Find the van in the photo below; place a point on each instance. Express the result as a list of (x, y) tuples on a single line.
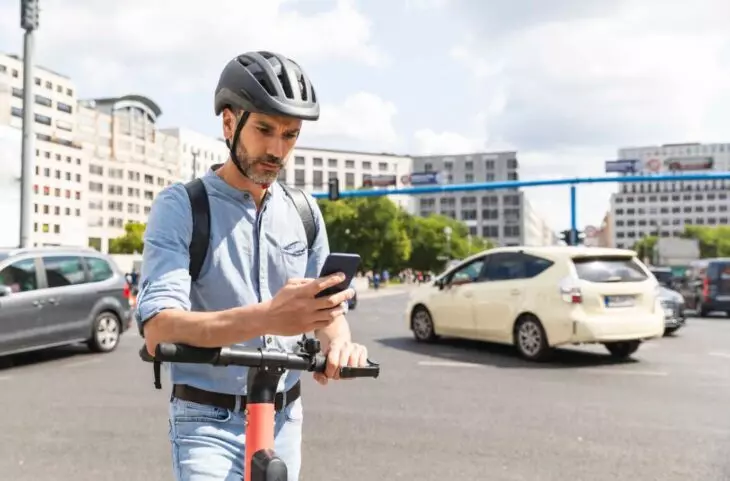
[(54, 296)]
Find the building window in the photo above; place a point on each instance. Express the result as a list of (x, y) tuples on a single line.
[(42, 119)]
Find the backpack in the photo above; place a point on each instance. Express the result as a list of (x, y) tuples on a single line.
[(200, 238)]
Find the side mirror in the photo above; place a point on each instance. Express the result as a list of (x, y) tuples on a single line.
[(5, 291), (440, 284)]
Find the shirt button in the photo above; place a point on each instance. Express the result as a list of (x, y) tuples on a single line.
[(246, 196)]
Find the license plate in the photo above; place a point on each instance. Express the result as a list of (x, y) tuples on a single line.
[(619, 301)]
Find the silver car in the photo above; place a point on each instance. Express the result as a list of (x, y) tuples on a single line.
[(52, 296), (671, 300)]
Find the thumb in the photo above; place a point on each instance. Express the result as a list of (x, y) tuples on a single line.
[(321, 378)]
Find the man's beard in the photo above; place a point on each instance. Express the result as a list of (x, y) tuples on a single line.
[(265, 177)]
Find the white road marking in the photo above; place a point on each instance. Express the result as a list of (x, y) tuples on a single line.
[(5, 378), (82, 363), (448, 364), (719, 354), (626, 372)]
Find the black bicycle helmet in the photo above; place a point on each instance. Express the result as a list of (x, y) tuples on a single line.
[(268, 83)]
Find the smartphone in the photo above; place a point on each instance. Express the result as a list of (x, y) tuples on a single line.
[(339, 262)]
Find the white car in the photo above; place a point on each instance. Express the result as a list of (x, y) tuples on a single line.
[(537, 298)]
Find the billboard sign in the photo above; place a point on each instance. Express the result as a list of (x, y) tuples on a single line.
[(422, 178), (624, 166), (369, 180), (682, 164)]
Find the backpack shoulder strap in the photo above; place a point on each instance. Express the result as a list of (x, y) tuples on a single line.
[(306, 212), (201, 226)]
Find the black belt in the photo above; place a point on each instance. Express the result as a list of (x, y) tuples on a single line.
[(228, 401)]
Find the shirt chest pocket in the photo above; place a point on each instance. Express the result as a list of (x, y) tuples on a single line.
[(294, 257)]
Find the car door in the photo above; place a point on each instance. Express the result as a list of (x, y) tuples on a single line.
[(20, 306), (68, 299), (453, 304), (501, 296)]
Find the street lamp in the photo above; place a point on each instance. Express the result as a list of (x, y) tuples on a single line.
[(29, 23)]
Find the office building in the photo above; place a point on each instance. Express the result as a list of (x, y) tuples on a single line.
[(60, 177), (196, 152), (311, 169), (130, 162), (665, 208), (504, 216)]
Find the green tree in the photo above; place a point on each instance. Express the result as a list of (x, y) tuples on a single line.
[(374, 227), (645, 247), (131, 242), (432, 247), (714, 241)]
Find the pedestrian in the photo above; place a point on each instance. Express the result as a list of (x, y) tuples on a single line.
[(257, 283)]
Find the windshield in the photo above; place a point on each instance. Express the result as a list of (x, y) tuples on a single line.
[(664, 277), (609, 269)]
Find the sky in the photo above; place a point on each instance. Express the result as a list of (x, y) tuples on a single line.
[(565, 83)]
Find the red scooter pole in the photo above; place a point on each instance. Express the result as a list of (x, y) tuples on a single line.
[(259, 434)]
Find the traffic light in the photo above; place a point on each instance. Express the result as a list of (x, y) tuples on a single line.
[(334, 189), (29, 14), (567, 237)]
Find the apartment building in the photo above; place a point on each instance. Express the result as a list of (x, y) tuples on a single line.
[(504, 216), (129, 162), (665, 208), (196, 152), (59, 201), (311, 169)]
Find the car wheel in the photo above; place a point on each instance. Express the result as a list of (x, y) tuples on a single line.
[(106, 332), (668, 331), (530, 339), (622, 350), (422, 325)]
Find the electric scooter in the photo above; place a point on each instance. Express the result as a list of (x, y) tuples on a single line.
[(265, 369)]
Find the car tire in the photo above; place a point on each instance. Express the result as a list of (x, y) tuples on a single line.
[(530, 339), (422, 325), (668, 331), (106, 332), (622, 349)]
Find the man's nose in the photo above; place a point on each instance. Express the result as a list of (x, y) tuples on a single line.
[(277, 148)]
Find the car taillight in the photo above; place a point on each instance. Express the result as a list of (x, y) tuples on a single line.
[(705, 288), (570, 292), (127, 291)]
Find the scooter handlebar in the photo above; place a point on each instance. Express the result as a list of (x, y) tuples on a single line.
[(251, 357)]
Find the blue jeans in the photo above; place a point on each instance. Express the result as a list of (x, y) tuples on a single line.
[(208, 442)]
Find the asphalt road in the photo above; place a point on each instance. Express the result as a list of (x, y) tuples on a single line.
[(455, 410)]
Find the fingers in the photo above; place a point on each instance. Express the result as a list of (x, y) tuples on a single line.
[(321, 378), (324, 282), (336, 299), (342, 355)]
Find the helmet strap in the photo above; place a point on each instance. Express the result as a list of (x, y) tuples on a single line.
[(233, 143)]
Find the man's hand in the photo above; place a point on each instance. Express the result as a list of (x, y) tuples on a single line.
[(342, 353), (294, 309)]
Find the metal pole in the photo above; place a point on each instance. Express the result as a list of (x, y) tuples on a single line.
[(195, 154), (28, 146), (573, 217)]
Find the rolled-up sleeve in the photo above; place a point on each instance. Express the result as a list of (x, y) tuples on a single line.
[(165, 280)]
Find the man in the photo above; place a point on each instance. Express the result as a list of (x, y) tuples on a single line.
[(256, 286)]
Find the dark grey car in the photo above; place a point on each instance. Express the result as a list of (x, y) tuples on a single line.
[(52, 296)]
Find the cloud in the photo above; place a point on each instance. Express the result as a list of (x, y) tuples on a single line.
[(362, 119), (115, 45), (570, 84)]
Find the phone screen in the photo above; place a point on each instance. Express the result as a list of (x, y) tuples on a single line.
[(339, 262)]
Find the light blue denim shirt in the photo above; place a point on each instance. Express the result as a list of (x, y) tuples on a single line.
[(250, 257)]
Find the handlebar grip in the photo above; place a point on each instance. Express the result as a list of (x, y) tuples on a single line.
[(184, 353), (371, 370)]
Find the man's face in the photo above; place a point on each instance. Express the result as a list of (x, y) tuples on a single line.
[(264, 144)]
